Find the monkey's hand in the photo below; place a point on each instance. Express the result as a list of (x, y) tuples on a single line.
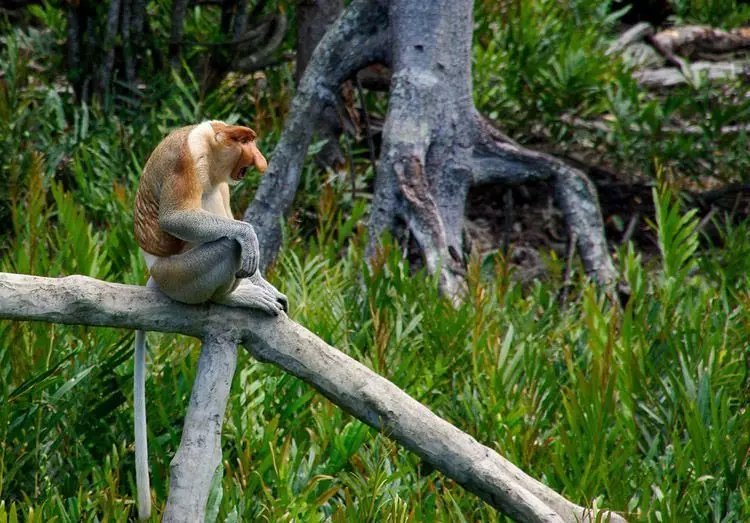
[(248, 295), (249, 249), (257, 279)]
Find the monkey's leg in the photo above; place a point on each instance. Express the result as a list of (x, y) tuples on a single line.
[(207, 273)]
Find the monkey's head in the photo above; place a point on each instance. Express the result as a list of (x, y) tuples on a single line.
[(237, 150)]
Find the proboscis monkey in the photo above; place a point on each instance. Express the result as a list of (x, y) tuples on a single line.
[(194, 249)]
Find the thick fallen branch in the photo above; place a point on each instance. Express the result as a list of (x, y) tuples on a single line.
[(605, 126), (349, 384), (703, 42), (718, 49), (671, 76)]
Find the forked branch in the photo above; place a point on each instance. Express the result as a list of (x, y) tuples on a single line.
[(347, 383)]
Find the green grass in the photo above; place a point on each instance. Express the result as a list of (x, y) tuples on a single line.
[(642, 409)]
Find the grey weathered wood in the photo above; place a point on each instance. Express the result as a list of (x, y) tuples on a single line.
[(671, 76), (347, 383), (199, 454), (355, 40)]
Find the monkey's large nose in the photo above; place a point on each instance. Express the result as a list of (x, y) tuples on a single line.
[(260, 161)]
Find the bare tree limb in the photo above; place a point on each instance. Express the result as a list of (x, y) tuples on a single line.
[(371, 398), (127, 16), (671, 76), (357, 38), (73, 47), (607, 127), (199, 454), (250, 63), (110, 38), (699, 41), (635, 34), (240, 19)]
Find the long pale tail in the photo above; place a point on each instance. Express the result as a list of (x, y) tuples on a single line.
[(141, 445)]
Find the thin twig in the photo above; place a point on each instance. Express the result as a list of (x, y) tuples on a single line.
[(631, 228), (706, 218), (350, 161), (507, 219)]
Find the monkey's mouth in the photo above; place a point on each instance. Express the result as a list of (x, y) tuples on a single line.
[(240, 173)]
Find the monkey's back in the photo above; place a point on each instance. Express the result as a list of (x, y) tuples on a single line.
[(163, 162)]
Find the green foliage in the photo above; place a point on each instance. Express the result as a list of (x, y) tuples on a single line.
[(539, 61), (724, 14), (643, 407)]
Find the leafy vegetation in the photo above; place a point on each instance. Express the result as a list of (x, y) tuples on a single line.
[(644, 406), (535, 62)]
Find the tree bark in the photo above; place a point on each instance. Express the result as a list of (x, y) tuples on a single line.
[(357, 38), (110, 39), (347, 383), (177, 30), (314, 17), (199, 454)]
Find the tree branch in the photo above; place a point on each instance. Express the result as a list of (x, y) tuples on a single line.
[(605, 126), (177, 20), (110, 39), (199, 454), (671, 76), (250, 63), (350, 385)]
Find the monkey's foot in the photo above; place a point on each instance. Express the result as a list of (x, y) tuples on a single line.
[(257, 279), (251, 296)]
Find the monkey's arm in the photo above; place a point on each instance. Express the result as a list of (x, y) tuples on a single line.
[(181, 215)]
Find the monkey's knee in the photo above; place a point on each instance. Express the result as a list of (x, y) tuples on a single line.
[(180, 285), (193, 277)]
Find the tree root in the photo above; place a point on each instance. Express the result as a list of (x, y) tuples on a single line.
[(435, 145)]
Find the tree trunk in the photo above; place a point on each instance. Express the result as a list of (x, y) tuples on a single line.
[(435, 144), (425, 168), (314, 17), (199, 456)]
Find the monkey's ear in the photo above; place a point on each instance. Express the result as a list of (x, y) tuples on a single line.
[(222, 138), (222, 132)]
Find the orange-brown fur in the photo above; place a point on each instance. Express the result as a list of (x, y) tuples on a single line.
[(170, 179)]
